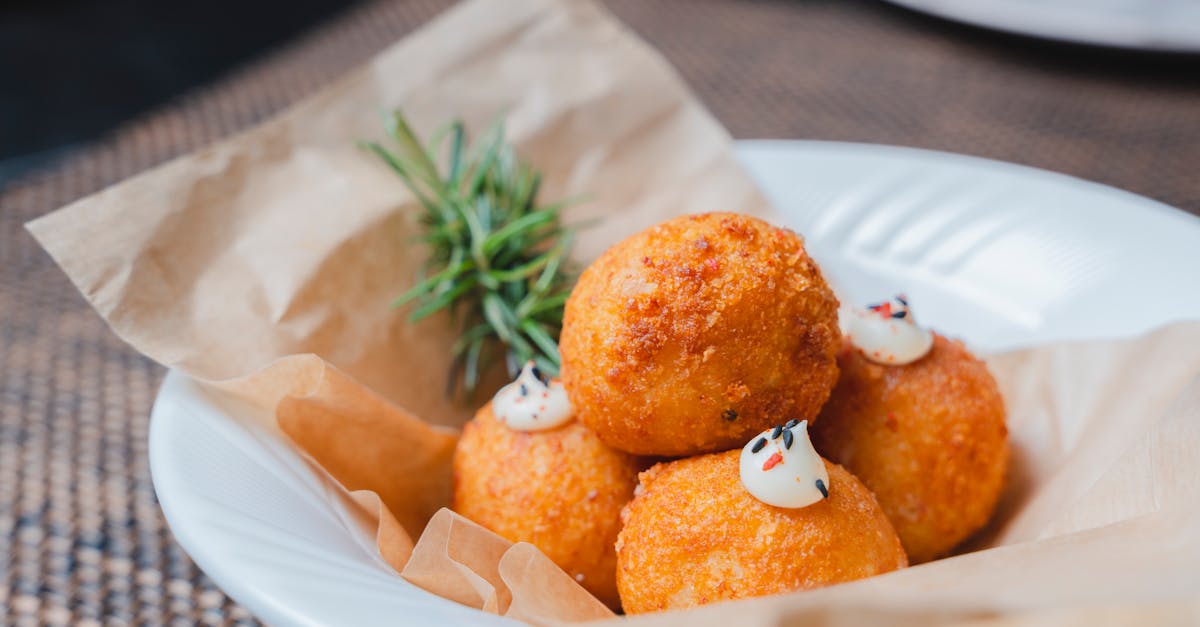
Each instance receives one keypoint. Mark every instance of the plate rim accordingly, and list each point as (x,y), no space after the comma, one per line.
(275,610)
(261,606)
(931,155)
(1030,20)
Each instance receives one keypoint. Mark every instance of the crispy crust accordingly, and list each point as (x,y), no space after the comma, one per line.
(561,490)
(695,334)
(693,535)
(928,438)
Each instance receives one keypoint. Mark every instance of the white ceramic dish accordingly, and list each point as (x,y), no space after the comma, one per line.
(1001,254)
(1163,25)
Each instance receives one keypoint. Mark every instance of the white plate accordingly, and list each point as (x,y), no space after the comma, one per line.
(1001,254)
(1165,25)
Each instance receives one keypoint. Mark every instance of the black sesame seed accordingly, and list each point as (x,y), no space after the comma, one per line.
(899,314)
(540,376)
(822,488)
(903,300)
(729,415)
(777,432)
(874,306)
(524,390)
(787,439)
(758,446)
(791,423)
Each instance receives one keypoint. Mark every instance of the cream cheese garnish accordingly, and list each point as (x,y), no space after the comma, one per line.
(780,467)
(887,333)
(533,402)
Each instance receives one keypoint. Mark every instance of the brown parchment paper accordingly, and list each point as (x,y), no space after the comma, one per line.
(289,239)
(263,266)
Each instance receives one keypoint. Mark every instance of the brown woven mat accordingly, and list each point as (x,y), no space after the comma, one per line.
(81,537)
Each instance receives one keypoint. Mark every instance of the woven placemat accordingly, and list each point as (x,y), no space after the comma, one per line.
(83,540)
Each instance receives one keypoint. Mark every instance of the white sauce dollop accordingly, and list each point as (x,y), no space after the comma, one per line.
(532,402)
(886,333)
(784,470)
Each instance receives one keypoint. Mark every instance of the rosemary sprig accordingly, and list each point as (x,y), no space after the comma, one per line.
(497,257)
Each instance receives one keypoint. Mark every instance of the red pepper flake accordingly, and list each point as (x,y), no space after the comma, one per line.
(773,461)
(885,310)
(890,422)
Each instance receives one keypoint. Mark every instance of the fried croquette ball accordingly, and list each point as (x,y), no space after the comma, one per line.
(694,535)
(561,490)
(695,334)
(928,438)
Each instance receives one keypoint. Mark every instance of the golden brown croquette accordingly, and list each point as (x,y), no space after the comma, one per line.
(695,334)
(561,490)
(928,438)
(694,535)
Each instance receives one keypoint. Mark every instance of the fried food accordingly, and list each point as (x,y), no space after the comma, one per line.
(561,490)
(695,334)
(928,438)
(694,535)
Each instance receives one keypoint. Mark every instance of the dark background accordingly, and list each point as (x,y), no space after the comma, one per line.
(72,69)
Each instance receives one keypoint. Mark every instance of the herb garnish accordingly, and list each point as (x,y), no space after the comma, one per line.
(496,262)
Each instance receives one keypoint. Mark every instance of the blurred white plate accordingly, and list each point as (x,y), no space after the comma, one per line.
(1000,254)
(1166,25)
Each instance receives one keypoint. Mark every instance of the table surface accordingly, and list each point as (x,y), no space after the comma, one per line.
(83,539)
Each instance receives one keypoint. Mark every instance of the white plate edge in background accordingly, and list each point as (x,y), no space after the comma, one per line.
(1172,26)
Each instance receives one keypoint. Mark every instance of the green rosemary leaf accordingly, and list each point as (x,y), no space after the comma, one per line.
(543,340)
(523,350)
(477,332)
(530,193)
(442,301)
(407,140)
(549,303)
(525,270)
(457,137)
(487,159)
(434,145)
(444,277)
(493,311)
(399,166)
(471,215)
(471,364)
(558,253)
(549,367)
(520,227)
(496,257)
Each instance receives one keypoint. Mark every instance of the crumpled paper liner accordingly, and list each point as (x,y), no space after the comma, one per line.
(460,560)
(290,239)
(263,266)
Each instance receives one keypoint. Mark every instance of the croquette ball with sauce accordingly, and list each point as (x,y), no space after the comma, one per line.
(695,334)
(560,489)
(695,535)
(928,438)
